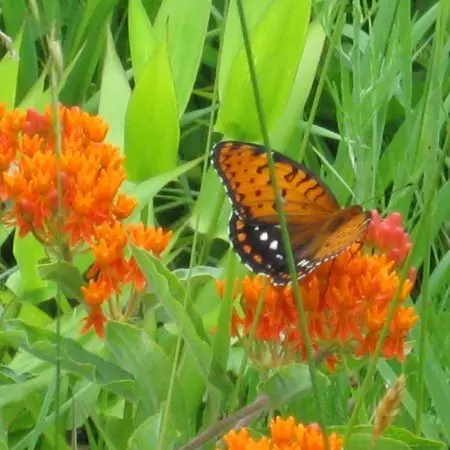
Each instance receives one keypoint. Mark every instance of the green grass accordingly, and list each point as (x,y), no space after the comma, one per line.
(357,90)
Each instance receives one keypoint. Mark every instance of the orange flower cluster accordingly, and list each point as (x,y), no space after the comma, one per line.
(284,435)
(89,210)
(346,303)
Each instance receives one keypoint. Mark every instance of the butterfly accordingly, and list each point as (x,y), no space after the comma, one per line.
(319,229)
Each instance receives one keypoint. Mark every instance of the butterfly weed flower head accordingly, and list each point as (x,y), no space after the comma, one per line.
(91,210)
(284,434)
(346,302)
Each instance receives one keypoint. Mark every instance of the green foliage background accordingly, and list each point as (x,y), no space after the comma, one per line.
(358,90)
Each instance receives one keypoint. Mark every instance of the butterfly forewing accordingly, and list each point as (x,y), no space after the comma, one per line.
(244,171)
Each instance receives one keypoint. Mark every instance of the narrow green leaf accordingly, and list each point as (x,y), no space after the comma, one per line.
(15,15)
(144,192)
(152,128)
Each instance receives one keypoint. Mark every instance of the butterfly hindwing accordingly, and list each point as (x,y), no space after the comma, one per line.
(260,248)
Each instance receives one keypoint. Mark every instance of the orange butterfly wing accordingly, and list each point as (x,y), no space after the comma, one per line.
(244,170)
(318,228)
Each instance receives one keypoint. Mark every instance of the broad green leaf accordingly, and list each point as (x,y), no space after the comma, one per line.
(211,211)
(232,40)
(28,251)
(9,70)
(363,441)
(152,128)
(66,275)
(133,350)
(147,434)
(142,37)
(32,315)
(199,273)
(392,438)
(277,45)
(171,294)
(303,82)
(184,25)
(41,343)
(114,93)
(288,383)
(34,95)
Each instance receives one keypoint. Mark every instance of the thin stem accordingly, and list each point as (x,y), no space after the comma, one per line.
(192,262)
(260,404)
(282,219)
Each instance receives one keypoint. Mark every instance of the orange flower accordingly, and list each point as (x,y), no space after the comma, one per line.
(96,320)
(113,268)
(346,303)
(90,171)
(153,240)
(285,434)
(74,197)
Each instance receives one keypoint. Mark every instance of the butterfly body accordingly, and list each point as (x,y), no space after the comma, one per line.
(318,228)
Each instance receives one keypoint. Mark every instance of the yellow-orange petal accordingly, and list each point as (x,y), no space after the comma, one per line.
(95,293)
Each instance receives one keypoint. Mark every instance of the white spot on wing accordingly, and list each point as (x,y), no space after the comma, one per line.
(273,245)
(264,236)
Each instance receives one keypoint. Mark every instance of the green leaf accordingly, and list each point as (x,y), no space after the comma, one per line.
(393,438)
(15,15)
(141,35)
(133,350)
(152,128)
(114,93)
(184,25)
(288,383)
(232,40)
(9,70)
(145,191)
(211,213)
(74,358)
(66,275)
(301,89)
(199,274)
(362,441)
(171,294)
(147,434)
(28,252)
(277,45)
